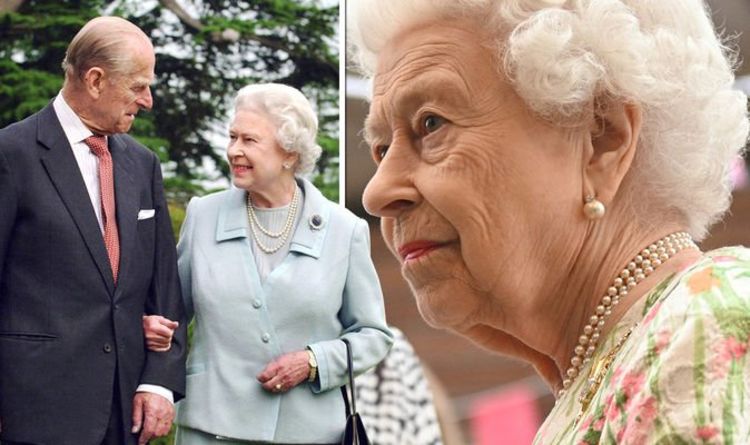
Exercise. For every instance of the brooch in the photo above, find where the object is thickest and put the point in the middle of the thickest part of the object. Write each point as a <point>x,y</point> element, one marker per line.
<point>316,222</point>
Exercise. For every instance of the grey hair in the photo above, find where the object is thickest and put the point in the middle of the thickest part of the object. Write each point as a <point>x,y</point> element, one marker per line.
<point>291,113</point>
<point>564,56</point>
<point>102,42</point>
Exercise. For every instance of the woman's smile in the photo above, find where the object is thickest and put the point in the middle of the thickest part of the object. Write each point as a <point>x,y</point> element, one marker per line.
<point>240,169</point>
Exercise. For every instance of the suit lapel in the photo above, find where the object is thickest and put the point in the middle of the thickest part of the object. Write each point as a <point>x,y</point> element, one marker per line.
<point>311,231</point>
<point>63,170</point>
<point>126,200</point>
<point>232,225</point>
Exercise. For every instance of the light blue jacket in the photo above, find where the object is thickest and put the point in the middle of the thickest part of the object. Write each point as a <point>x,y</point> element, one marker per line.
<point>325,289</point>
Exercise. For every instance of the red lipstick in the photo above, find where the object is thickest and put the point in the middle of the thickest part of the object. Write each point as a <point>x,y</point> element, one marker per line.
<point>417,249</point>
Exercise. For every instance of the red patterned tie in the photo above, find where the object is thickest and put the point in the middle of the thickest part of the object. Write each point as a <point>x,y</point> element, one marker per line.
<point>98,145</point>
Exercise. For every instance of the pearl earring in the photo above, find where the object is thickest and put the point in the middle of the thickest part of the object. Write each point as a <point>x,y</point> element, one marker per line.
<point>593,208</point>
<point>286,166</point>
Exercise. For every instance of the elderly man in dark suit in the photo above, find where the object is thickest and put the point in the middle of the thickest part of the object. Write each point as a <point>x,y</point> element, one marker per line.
<point>86,249</point>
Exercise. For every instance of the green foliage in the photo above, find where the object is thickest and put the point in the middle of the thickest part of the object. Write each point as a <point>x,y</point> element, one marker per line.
<point>24,92</point>
<point>327,179</point>
<point>177,215</point>
<point>34,41</point>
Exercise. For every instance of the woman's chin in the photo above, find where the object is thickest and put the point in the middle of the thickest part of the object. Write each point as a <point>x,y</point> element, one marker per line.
<point>446,305</point>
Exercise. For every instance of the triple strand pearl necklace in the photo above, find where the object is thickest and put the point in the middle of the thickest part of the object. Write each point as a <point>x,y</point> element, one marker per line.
<point>282,235</point>
<point>636,271</point>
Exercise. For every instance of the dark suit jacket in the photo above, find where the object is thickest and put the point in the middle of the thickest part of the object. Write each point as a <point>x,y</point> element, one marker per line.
<point>68,335</point>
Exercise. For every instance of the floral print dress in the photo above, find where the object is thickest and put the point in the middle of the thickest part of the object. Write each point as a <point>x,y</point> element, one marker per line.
<point>683,374</point>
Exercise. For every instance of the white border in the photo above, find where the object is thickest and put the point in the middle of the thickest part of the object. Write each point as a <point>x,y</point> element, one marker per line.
<point>342,102</point>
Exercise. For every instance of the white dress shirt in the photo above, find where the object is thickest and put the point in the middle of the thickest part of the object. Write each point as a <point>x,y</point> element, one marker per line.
<point>76,132</point>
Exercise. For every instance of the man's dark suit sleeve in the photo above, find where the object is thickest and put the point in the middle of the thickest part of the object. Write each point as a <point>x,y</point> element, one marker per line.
<point>8,199</point>
<point>166,368</point>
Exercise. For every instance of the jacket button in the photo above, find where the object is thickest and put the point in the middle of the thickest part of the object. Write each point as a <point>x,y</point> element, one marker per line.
<point>257,303</point>
<point>265,337</point>
<point>107,348</point>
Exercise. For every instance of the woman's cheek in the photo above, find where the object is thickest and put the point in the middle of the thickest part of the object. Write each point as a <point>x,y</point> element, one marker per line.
<point>386,229</point>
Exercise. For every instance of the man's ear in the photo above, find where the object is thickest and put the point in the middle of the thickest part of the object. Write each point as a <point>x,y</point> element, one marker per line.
<point>93,81</point>
<point>613,140</point>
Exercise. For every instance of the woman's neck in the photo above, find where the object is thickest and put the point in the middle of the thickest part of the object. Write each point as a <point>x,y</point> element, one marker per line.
<point>278,194</point>
<point>607,249</point>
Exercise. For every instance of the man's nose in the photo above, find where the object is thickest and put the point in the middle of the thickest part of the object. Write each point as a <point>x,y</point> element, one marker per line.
<point>145,100</point>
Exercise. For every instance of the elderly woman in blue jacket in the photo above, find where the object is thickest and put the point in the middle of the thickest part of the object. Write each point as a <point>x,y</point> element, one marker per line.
<point>274,276</point>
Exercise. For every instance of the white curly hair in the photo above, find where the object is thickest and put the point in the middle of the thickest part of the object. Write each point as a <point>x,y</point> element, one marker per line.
<point>291,113</point>
<point>564,56</point>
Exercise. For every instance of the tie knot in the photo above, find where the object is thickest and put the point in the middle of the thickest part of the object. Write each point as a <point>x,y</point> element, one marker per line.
<point>98,145</point>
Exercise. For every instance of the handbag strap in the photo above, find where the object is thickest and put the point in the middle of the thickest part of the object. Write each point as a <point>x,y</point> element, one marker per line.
<point>353,408</point>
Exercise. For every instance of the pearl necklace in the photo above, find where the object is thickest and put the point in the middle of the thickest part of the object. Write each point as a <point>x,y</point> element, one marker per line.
<point>285,231</point>
<point>636,271</point>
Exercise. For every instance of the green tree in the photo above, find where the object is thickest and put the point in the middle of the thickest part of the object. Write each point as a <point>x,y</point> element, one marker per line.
<point>32,49</point>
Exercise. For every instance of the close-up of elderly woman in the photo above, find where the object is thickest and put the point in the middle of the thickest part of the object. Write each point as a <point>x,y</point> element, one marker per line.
<point>544,172</point>
<point>274,276</point>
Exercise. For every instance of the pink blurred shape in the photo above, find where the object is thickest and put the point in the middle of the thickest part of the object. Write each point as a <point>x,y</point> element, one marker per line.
<point>739,173</point>
<point>510,417</point>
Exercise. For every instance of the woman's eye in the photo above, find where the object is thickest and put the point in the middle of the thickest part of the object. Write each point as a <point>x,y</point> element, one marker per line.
<point>381,151</point>
<point>432,123</point>
<point>232,137</point>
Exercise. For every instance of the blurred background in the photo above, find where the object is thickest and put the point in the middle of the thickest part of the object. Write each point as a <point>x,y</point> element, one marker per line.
<point>487,399</point>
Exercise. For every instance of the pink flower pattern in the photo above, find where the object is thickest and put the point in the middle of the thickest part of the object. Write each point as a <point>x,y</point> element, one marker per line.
<point>727,351</point>
<point>644,399</point>
<point>662,339</point>
<point>612,411</point>
<point>632,383</point>
<point>707,432</point>
<point>640,419</point>
<point>651,314</point>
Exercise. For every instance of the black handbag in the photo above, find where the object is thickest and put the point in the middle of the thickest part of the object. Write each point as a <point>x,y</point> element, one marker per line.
<point>354,432</point>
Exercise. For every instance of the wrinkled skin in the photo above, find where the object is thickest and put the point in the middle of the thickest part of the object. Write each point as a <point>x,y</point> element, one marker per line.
<point>464,162</point>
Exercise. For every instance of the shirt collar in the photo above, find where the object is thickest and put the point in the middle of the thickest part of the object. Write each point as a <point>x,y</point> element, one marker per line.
<point>72,125</point>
